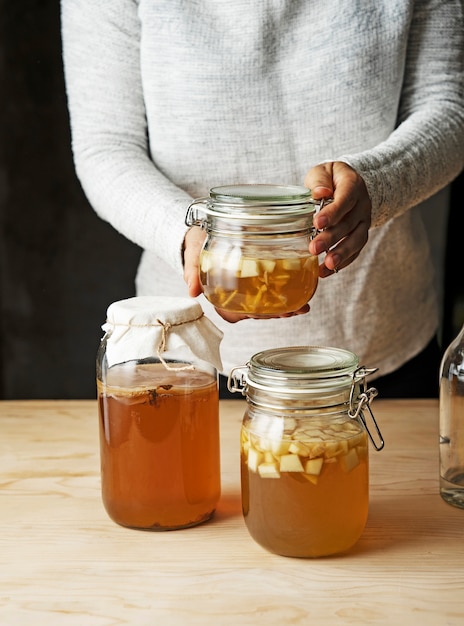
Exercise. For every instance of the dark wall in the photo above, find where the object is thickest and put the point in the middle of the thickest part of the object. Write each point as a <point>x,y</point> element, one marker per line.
<point>453,306</point>
<point>60,265</point>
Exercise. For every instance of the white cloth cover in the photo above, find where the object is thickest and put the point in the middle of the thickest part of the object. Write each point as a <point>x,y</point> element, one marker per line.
<point>144,326</point>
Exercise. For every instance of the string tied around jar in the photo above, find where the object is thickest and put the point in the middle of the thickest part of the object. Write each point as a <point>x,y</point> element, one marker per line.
<point>166,326</point>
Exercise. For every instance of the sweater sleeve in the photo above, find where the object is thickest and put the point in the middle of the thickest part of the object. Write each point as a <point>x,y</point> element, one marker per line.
<point>426,150</point>
<point>109,130</point>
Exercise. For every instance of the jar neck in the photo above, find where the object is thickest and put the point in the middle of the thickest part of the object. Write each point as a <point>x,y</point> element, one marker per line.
<point>311,402</point>
<point>302,226</point>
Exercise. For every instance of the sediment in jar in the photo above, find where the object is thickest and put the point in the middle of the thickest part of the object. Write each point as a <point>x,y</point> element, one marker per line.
<point>305,494</point>
<point>159,440</point>
<point>259,286</point>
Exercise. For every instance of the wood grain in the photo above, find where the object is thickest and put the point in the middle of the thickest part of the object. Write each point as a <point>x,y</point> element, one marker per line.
<point>64,562</point>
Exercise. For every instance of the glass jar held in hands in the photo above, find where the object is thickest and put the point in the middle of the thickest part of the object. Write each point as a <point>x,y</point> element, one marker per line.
<point>255,259</point>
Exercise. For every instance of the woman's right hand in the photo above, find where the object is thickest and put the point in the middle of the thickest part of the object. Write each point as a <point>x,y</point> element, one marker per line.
<point>193,243</point>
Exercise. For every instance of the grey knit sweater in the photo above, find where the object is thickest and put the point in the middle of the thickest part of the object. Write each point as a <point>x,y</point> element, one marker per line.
<point>168,98</point>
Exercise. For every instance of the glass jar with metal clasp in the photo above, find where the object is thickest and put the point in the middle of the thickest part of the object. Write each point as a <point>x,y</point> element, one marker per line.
<point>255,259</point>
<point>304,448</point>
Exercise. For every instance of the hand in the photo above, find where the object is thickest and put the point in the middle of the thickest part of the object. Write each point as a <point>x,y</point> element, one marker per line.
<point>345,222</point>
<point>193,244</point>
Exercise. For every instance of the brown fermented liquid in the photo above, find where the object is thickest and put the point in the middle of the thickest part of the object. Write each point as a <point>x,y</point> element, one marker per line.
<point>297,514</point>
<point>261,286</point>
<point>159,439</point>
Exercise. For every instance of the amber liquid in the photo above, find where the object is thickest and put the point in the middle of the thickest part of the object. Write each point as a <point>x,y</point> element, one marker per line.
<point>292,516</point>
<point>159,442</point>
<point>285,288</point>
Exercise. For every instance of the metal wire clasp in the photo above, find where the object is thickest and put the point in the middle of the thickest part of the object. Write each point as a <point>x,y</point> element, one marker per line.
<point>194,216</point>
<point>236,382</point>
<point>364,400</point>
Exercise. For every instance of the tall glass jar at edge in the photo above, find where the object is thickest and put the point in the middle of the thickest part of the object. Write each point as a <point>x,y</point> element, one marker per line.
<point>158,415</point>
<point>304,449</point>
<point>255,259</point>
<point>451,447</point>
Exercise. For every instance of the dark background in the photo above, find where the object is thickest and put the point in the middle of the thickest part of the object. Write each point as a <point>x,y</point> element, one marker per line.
<point>60,265</point>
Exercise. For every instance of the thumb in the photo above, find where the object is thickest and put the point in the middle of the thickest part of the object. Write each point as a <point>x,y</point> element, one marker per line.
<point>193,243</point>
<point>319,180</point>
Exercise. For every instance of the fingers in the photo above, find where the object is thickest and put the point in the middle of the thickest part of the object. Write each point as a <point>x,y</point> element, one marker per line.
<point>343,242</point>
<point>344,223</point>
<point>331,266</point>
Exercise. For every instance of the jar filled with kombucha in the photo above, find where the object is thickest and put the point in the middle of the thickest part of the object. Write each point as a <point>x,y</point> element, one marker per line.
<point>255,259</point>
<point>159,413</point>
<point>304,449</point>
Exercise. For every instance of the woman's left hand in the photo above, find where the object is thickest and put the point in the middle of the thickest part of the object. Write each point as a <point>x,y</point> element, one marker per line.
<point>343,224</point>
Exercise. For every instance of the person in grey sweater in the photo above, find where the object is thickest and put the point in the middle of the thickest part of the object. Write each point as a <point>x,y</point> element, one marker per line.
<point>362,101</point>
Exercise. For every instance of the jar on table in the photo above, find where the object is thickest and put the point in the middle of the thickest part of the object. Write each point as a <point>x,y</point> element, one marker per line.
<point>304,449</point>
<point>255,259</point>
<point>158,406</point>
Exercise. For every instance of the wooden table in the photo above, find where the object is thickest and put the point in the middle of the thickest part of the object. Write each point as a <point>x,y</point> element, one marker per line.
<point>64,562</point>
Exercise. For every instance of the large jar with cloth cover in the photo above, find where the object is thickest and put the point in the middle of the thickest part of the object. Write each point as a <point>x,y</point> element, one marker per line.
<point>159,413</point>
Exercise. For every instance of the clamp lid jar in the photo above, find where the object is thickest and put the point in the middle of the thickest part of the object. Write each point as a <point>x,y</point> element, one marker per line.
<point>304,449</point>
<point>255,259</point>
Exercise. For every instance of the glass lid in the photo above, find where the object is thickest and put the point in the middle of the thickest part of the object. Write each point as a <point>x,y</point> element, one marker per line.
<point>302,366</point>
<point>261,194</point>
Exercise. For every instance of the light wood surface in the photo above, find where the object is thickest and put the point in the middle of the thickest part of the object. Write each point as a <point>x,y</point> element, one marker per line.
<point>64,562</point>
